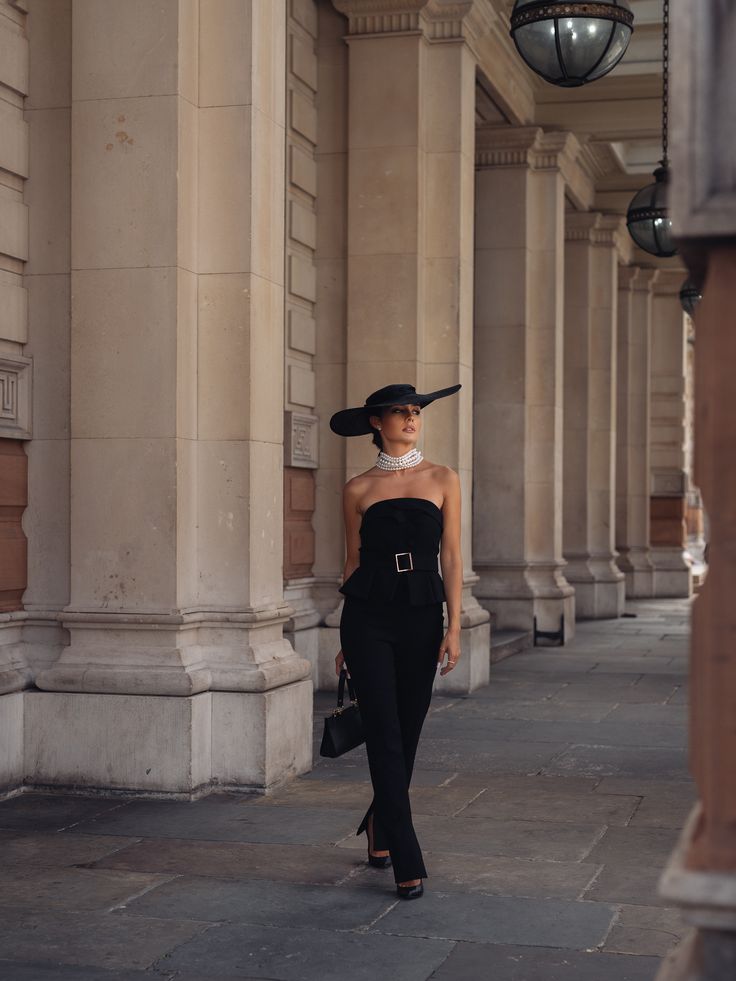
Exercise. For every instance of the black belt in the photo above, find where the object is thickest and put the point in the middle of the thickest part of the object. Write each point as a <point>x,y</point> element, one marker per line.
<point>399,561</point>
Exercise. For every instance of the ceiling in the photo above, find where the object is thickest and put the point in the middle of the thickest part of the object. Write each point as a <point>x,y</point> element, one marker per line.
<point>619,116</point>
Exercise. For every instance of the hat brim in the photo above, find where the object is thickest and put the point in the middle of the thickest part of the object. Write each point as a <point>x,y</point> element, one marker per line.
<point>354,422</point>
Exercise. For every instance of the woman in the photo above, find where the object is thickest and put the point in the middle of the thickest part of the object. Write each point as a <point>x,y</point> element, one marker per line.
<point>397,516</point>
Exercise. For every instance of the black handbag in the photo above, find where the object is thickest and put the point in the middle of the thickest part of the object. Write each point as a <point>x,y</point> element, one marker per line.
<point>343,728</point>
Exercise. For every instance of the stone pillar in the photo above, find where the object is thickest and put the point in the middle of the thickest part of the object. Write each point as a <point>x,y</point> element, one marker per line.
<point>411,112</point>
<point>591,266</point>
<point>632,429</point>
<point>701,873</point>
<point>669,477</point>
<point>519,235</point>
<point>329,177</point>
<point>176,614</point>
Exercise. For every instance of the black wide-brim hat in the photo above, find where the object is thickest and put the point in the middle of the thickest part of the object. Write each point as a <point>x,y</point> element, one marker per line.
<point>354,422</point>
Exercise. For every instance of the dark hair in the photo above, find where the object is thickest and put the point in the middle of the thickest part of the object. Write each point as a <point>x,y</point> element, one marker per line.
<point>377,440</point>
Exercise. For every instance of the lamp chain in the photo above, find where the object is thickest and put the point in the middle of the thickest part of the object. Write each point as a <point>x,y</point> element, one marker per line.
<point>665,78</point>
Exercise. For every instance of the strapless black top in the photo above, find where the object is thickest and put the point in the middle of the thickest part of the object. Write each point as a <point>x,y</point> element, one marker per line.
<point>399,525</point>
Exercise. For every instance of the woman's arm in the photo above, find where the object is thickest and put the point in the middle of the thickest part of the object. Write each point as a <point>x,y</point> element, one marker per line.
<point>451,562</point>
<point>351,517</point>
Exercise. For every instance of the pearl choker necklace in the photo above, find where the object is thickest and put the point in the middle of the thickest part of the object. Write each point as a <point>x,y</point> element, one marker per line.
<point>410,459</point>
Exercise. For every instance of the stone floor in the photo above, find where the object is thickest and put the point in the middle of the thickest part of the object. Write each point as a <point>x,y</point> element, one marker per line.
<point>546,804</point>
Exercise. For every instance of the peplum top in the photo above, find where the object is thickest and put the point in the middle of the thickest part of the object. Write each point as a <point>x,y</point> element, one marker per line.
<point>399,525</point>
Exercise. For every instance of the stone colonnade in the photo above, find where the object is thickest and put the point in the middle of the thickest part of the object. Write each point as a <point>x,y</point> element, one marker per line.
<point>416,249</point>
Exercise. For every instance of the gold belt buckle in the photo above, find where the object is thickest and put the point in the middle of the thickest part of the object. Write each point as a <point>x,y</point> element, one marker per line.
<point>411,561</point>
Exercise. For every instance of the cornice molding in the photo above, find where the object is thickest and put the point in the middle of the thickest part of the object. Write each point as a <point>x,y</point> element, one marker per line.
<point>437,20</point>
<point>530,146</point>
<point>599,229</point>
<point>668,282</point>
<point>646,278</point>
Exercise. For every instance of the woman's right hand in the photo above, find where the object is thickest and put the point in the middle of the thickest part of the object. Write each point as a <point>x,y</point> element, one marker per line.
<point>340,663</point>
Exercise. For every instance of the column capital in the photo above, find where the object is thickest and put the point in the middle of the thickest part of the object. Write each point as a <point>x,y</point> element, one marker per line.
<point>669,281</point>
<point>637,278</point>
<point>535,149</point>
<point>598,228</point>
<point>437,20</point>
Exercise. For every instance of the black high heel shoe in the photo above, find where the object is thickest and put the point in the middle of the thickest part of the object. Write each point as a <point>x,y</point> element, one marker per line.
<point>410,892</point>
<point>377,861</point>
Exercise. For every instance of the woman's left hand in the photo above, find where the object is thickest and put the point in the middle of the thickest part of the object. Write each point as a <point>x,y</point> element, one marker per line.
<point>450,646</point>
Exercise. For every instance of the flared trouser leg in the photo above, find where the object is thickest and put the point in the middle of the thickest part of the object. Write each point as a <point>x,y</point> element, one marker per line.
<point>391,654</point>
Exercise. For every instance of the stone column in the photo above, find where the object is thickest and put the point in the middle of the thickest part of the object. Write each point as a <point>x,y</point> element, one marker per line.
<point>519,235</point>
<point>411,111</point>
<point>591,265</point>
<point>669,478</point>
<point>701,873</point>
<point>632,429</point>
<point>176,613</point>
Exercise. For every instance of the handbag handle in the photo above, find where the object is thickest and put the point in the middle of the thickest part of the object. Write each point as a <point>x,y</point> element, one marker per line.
<point>341,688</point>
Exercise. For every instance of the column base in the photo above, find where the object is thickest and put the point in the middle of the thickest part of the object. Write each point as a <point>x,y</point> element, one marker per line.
<point>515,594</point>
<point>600,588</point>
<point>302,629</point>
<point>708,903</point>
<point>638,572</point>
<point>180,654</point>
<point>11,741</point>
<point>180,747</point>
<point>15,673</point>
<point>673,577</point>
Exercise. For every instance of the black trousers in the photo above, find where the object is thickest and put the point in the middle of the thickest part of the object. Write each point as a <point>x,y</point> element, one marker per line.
<point>391,652</point>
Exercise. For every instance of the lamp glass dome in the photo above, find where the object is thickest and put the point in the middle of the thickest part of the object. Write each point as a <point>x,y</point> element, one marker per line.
<point>690,296</point>
<point>570,44</point>
<point>648,220</point>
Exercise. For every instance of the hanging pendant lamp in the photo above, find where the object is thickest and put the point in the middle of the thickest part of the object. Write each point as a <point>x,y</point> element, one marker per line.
<point>570,44</point>
<point>648,218</point>
<point>690,296</point>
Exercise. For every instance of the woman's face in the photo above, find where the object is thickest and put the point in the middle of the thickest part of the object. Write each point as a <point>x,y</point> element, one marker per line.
<point>400,422</point>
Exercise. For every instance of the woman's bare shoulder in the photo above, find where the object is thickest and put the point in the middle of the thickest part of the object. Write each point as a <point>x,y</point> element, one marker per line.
<point>441,473</point>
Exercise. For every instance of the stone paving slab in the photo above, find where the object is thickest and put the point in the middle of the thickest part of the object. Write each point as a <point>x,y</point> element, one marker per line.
<point>30,851</point>
<point>237,860</point>
<point>540,803</point>
<point>36,971</point>
<point>442,801</point>
<point>73,889</point>
<point>234,951</point>
<point>517,839</point>
<point>642,930</point>
<point>594,733</point>
<point>534,711</point>
<point>634,846</point>
<point>654,689</point>
<point>472,961</point>
<point>93,939</point>
<point>236,821</point>
<point>608,761</point>
<point>501,919</point>
<point>22,813</point>
<point>278,904</point>
<point>674,715</point>
<point>632,884</point>
<point>499,875</point>
<point>493,757</point>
